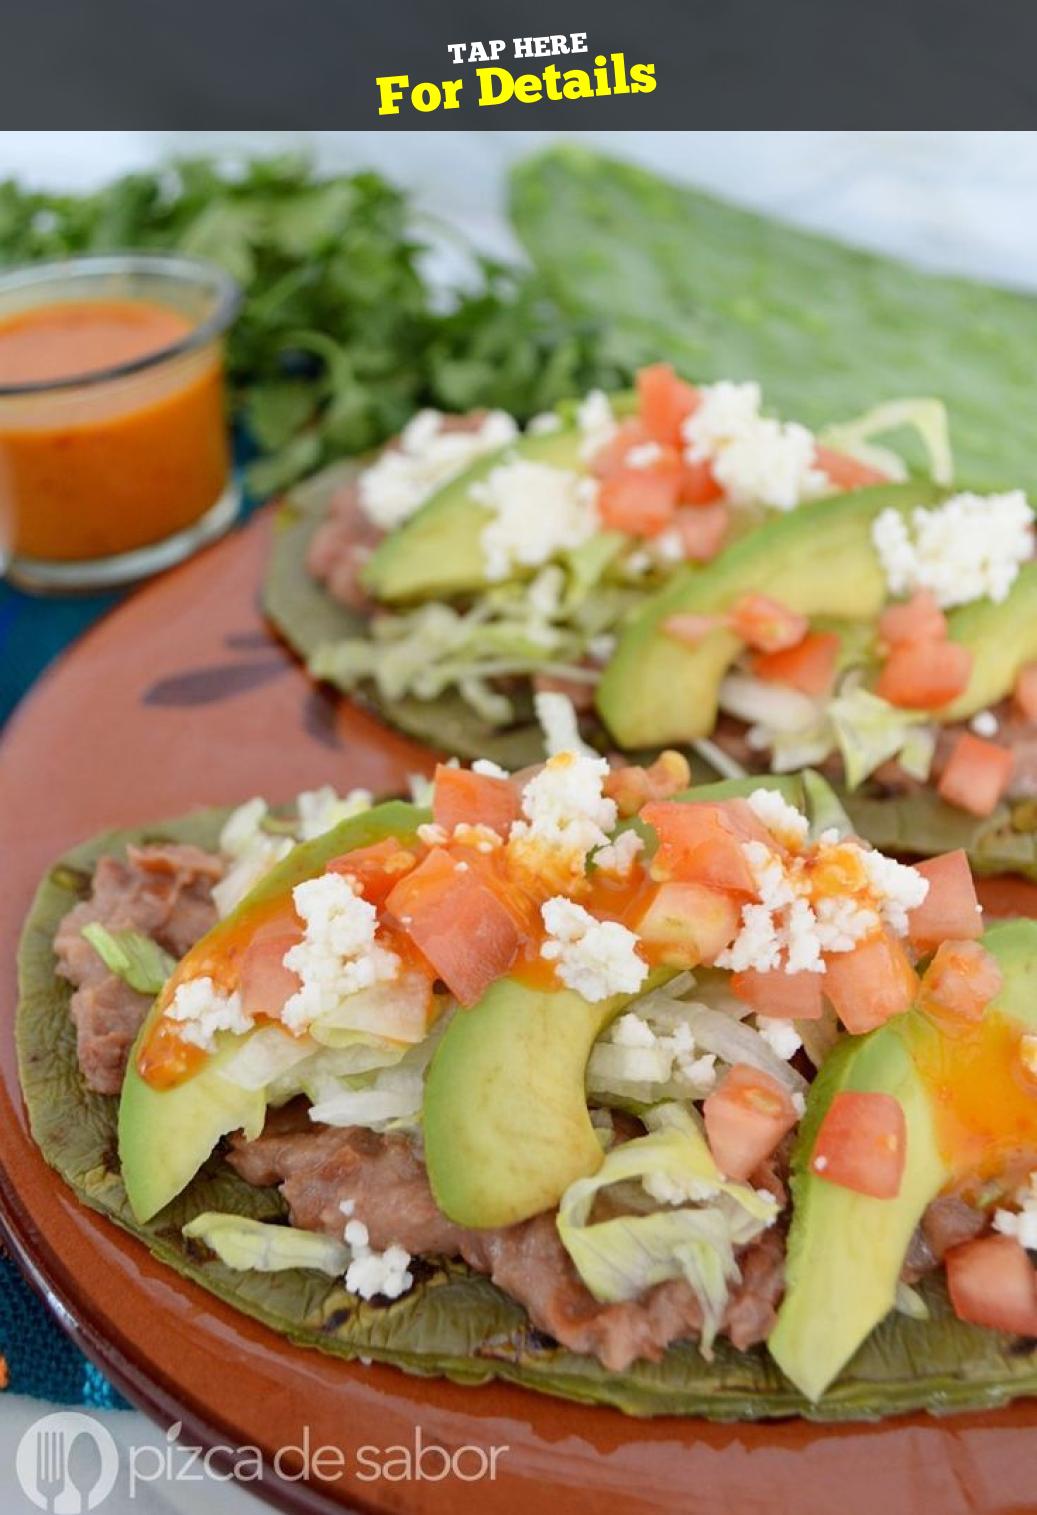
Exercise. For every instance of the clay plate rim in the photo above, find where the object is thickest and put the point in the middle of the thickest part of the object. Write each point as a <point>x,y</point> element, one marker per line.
<point>222,687</point>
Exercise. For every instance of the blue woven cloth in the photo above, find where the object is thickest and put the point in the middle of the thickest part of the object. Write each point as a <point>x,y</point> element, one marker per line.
<point>33,630</point>
<point>41,1359</point>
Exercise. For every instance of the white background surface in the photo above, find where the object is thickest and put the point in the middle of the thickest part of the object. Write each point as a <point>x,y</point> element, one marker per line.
<point>959,201</point>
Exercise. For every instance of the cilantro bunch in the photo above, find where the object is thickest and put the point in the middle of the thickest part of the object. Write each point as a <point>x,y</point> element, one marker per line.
<point>342,336</point>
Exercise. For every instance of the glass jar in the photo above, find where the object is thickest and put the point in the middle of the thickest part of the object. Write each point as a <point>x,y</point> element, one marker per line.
<point>112,469</point>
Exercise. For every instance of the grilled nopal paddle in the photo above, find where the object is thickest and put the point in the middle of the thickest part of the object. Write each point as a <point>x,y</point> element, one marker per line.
<point>719,290</point>
<point>452,1322</point>
<point>167,1133</point>
<point>846,1249</point>
<point>305,614</point>
<point>919,824</point>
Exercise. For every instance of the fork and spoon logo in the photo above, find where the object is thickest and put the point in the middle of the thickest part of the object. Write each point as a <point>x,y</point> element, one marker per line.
<point>67,1463</point>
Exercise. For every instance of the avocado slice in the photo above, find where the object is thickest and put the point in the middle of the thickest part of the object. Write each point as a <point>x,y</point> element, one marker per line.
<point>1002,637</point>
<point>506,1124</point>
<point>505,1115</point>
<point>846,1250</point>
<point>818,559</point>
<point>438,552</point>
<point>165,1135</point>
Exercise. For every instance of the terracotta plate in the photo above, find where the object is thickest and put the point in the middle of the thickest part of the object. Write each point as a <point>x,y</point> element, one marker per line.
<point>182,698</point>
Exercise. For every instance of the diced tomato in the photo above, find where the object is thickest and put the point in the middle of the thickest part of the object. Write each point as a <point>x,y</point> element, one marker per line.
<point>703,843</point>
<point>632,786</point>
<point>265,983</point>
<point>809,666</point>
<point>918,619</point>
<point>1025,691</point>
<point>862,1144</point>
<point>870,983</point>
<point>639,501</point>
<point>992,1283</point>
<point>688,924</point>
<point>788,996</point>
<point>766,625</point>
<point>457,921</point>
<point>686,626</point>
<point>698,484</point>
<point>461,797</point>
<point>377,868</point>
<point>846,472</point>
<point>950,910</point>
<point>664,403</point>
<point>960,982</point>
<point>976,775</point>
<point>611,459</point>
<point>924,675</point>
<point>746,1117</point>
<point>703,530</point>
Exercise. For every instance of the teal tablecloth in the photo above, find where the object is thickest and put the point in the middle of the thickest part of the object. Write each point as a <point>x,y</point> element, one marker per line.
<point>41,1359</point>
<point>33,630</point>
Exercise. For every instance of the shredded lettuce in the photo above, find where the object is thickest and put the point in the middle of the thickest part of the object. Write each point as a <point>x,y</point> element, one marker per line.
<point>394,1096</point>
<point>927,417</point>
<point>367,1082</point>
<point>679,1033</point>
<point>614,1067</point>
<point>266,1055</point>
<point>284,1066</point>
<point>869,731</point>
<point>791,751</point>
<point>732,1041</point>
<point>820,1036</point>
<point>776,706</point>
<point>548,626</point>
<point>694,1239</point>
<point>255,841</point>
<point>396,1011</point>
<point>260,1247</point>
<point>133,957</point>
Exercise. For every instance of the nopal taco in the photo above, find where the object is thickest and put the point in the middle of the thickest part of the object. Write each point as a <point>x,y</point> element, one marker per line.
<point>692,571</point>
<point>679,1101</point>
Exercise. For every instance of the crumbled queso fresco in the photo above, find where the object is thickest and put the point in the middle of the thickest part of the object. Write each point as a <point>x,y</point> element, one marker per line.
<point>780,1035</point>
<point>755,459</point>
<point>1021,1223</point>
<point>677,1044</point>
<point>596,422</point>
<point>338,955</point>
<point>392,489</point>
<point>619,857</point>
<point>536,511</point>
<point>816,899</point>
<point>489,770</point>
<point>201,1010</point>
<point>969,548</point>
<point>373,1273</point>
<point>784,822</point>
<point>985,723</point>
<point>596,958</point>
<point>566,817</point>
